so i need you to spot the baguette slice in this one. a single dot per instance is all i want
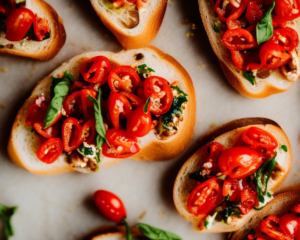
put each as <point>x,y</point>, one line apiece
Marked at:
<point>276,82</point>
<point>227,136</point>
<point>119,21</point>
<point>42,50</point>
<point>23,144</point>
<point>279,206</point>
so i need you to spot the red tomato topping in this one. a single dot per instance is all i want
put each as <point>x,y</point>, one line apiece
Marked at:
<point>296,209</point>
<point>254,12</point>
<point>211,166</point>
<point>205,197</point>
<point>286,37</point>
<point>71,133</point>
<point>270,226</point>
<point>246,61</point>
<point>233,20</point>
<point>37,111</point>
<point>49,132</point>
<point>88,133</point>
<point>256,137</point>
<point>239,162</point>
<point>290,225</point>
<point>248,198</point>
<point>121,145</point>
<point>50,150</point>
<point>41,28</point>
<point>96,70</point>
<point>110,205</point>
<point>232,187</point>
<point>160,93</point>
<point>238,39</point>
<point>134,100</point>
<point>287,10</point>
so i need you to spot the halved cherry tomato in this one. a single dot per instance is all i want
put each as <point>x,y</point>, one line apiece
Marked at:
<point>95,70</point>
<point>273,55</point>
<point>124,78</point>
<point>118,3</point>
<point>37,111</point>
<point>88,133</point>
<point>254,12</point>
<point>234,11</point>
<point>18,23</point>
<point>246,60</point>
<point>49,132</point>
<point>50,150</point>
<point>286,37</point>
<point>134,100</point>
<point>239,162</point>
<point>248,198</point>
<point>78,85</point>
<point>233,20</point>
<point>121,145</point>
<point>118,104</point>
<point>41,28</point>
<point>211,165</point>
<point>110,205</point>
<point>205,197</point>
<point>238,39</point>
<point>139,123</point>
<point>160,93</point>
<point>290,224</point>
<point>270,226</point>
<point>257,137</point>
<point>71,134</point>
<point>232,187</point>
<point>287,10</point>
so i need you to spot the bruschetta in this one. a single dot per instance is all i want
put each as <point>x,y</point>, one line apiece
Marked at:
<point>30,28</point>
<point>101,107</point>
<point>233,174</point>
<point>134,23</point>
<point>256,41</point>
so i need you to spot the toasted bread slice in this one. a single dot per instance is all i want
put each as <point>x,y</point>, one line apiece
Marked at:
<point>42,50</point>
<point>23,144</point>
<point>279,206</point>
<point>266,83</point>
<point>227,135</point>
<point>133,28</point>
<point>114,233</point>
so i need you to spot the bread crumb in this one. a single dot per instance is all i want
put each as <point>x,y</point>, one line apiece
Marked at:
<point>3,69</point>
<point>72,44</point>
<point>193,26</point>
<point>161,213</point>
<point>189,34</point>
<point>87,48</point>
<point>212,125</point>
<point>185,21</point>
<point>143,214</point>
<point>2,106</point>
<point>201,64</point>
<point>78,204</point>
<point>70,5</point>
<point>70,210</point>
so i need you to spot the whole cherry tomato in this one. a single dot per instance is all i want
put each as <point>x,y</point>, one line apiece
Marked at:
<point>49,132</point>
<point>96,70</point>
<point>290,224</point>
<point>50,150</point>
<point>110,205</point>
<point>37,111</point>
<point>71,134</point>
<point>232,187</point>
<point>205,197</point>
<point>238,39</point>
<point>257,137</point>
<point>239,162</point>
<point>270,226</point>
<point>41,28</point>
<point>88,133</point>
<point>139,123</point>
<point>18,23</point>
<point>248,198</point>
<point>286,37</point>
<point>160,93</point>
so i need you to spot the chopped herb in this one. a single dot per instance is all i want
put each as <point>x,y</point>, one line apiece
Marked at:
<point>144,71</point>
<point>47,36</point>
<point>216,28</point>
<point>128,230</point>
<point>269,194</point>
<point>86,151</point>
<point>146,106</point>
<point>264,29</point>
<point>6,214</point>
<point>32,130</point>
<point>249,76</point>
<point>222,177</point>
<point>206,224</point>
<point>284,148</point>
<point>209,220</point>
<point>30,32</point>
<point>197,176</point>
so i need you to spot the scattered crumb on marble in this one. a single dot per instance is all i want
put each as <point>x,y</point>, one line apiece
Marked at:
<point>190,34</point>
<point>143,214</point>
<point>3,69</point>
<point>201,64</point>
<point>78,204</point>
<point>141,173</point>
<point>161,213</point>
<point>72,44</point>
<point>2,106</point>
<point>193,26</point>
<point>185,21</point>
<point>212,125</point>
<point>87,48</point>
<point>70,5</point>
<point>199,122</point>
<point>70,210</point>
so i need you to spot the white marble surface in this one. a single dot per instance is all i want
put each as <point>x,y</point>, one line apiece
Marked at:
<point>60,207</point>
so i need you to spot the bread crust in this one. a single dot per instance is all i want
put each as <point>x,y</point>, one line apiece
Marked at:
<point>148,28</point>
<point>41,50</point>
<point>280,205</point>
<point>264,87</point>
<point>227,135</point>
<point>152,149</point>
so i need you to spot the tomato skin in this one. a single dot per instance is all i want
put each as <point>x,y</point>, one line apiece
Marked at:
<point>290,224</point>
<point>50,150</point>
<point>232,39</point>
<point>296,209</point>
<point>205,197</point>
<point>246,61</point>
<point>239,162</point>
<point>214,150</point>
<point>254,12</point>
<point>41,28</point>
<point>110,205</point>
<point>135,101</point>
<point>232,187</point>
<point>18,23</point>
<point>160,93</point>
<point>49,132</point>
<point>37,111</point>
<point>88,133</point>
<point>257,137</point>
<point>248,198</point>
<point>139,123</point>
<point>71,134</point>
<point>270,226</point>
<point>289,34</point>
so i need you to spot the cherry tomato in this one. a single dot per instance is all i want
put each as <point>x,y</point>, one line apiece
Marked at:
<point>118,104</point>
<point>256,137</point>
<point>139,123</point>
<point>96,70</point>
<point>71,134</point>
<point>248,198</point>
<point>49,132</point>
<point>121,145</point>
<point>238,39</point>
<point>287,9</point>
<point>50,150</point>
<point>6,6</point>
<point>233,20</point>
<point>232,187</point>
<point>41,28</point>
<point>77,86</point>
<point>124,78</point>
<point>160,93</point>
<point>89,131</point>
<point>205,197</point>
<point>110,205</point>
<point>270,226</point>
<point>286,37</point>
<point>254,12</point>
<point>37,111</point>
<point>246,60</point>
<point>296,209</point>
<point>118,3</point>
<point>134,100</point>
<point>290,224</point>
<point>229,10</point>
<point>18,23</point>
<point>239,162</point>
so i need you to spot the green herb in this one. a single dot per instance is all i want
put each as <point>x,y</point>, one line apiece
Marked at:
<point>269,194</point>
<point>128,231</point>
<point>197,176</point>
<point>6,214</point>
<point>284,148</point>
<point>146,106</point>
<point>144,71</point>
<point>209,220</point>
<point>216,29</point>
<point>249,76</point>
<point>47,36</point>
<point>252,233</point>
<point>58,90</point>
<point>264,29</point>
<point>32,130</point>
<point>30,32</point>
<point>86,151</point>
<point>222,177</point>
<point>258,208</point>
<point>156,233</point>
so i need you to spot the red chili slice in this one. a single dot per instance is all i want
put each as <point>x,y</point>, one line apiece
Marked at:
<point>134,100</point>
<point>71,134</point>
<point>50,150</point>
<point>246,60</point>
<point>50,132</point>
<point>37,111</point>
<point>233,21</point>
<point>270,226</point>
<point>257,137</point>
<point>286,37</point>
<point>248,198</point>
<point>287,10</point>
<point>238,39</point>
<point>254,12</point>
<point>41,28</point>
<point>89,131</point>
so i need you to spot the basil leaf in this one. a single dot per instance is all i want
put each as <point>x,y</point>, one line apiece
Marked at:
<point>270,166</point>
<point>249,76</point>
<point>144,71</point>
<point>146,106</point>
<point>58,90</point>
<point>156,233</point>
<point>216,29</point>
<point>86,151</point>
<point>128,231</point>
<point>6,214</point>
<point>284,148</point>
<point>264,29</point>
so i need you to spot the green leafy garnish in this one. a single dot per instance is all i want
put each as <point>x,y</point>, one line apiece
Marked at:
<point>284,148</point>
<point>58,91</point>
<point>216,28</point>
<point>146,106</point>
<point>30,32</point>
<point>86,151</point>
<point>249,76</point>
<point>128,231</point>
<point>47,36</point>
<point>156,233</point>
<point>209,220</point>
<point>222,177</point>
<point>6,214</point>
<point>264,29</point>
<point>197,176</point>
<point>144,71</point>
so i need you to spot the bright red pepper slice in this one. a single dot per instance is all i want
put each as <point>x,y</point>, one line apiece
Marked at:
<point>88,133</point>
<point>71,134</point>
<point>248,198</point>
<point>96,70</point>
<point>117,105</point>
<point>296,209</point>
<point>270,226</point>
<point>290,225</point>
<point>246,61</point>
<point>232,187</point>
<point>238,39</point>
<point>121,145</point>
<point>123,78</point>
<point>254,12</point>
<point>273,55</point>
<point>37,111</point>
<point>50,150</point>
<point>160,93</point>
<point>234,11</point>
<point>257,137</point>
<point>205,197</point>
<point>49,132</point>
<point>41,28</point>
<point>286,37</point>
<point>233,21</point>
<point>287,10</point>
<point>77,86</point>
<point>134,100</point>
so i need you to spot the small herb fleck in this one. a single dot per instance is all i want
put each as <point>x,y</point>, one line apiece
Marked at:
<point>249,76</point>
<point>216,29</point>
<point>284,148</point>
